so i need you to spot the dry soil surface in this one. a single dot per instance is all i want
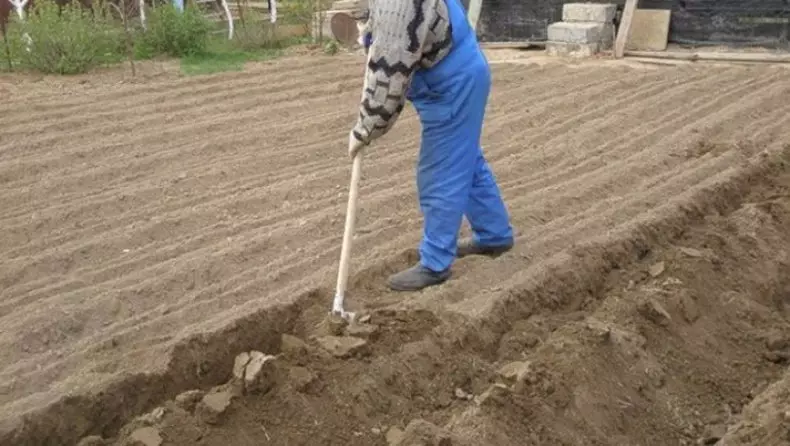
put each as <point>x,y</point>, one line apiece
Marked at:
<point>154,228</point>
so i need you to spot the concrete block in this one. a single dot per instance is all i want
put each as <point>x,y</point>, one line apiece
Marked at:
<point>575,32</point>
<point>589,12</point>
<point>607,37</point>
<point>565,49</point>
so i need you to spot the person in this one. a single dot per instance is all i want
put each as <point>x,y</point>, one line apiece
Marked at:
<point>426,51</point>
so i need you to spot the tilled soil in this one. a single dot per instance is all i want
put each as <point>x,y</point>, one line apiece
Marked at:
<point>154,230</point>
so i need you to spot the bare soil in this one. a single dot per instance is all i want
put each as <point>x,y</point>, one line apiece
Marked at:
<point>154,228</point>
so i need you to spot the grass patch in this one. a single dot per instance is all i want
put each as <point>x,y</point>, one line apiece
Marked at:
<point>70,39</point>
<point>249,45</point>
<point>216,62</point>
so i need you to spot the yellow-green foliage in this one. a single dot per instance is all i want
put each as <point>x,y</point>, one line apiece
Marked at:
<point>63,40</point>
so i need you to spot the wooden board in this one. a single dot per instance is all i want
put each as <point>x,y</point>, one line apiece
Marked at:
<point>624,31</point>
<point>649,30</point>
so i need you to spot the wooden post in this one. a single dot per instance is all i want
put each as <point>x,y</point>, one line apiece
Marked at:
<point>624,31</point>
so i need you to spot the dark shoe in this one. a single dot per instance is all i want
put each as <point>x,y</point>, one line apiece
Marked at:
<point>468,248</point>
<point>416,278</point>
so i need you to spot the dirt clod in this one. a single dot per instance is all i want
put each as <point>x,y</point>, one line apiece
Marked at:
<point>394,436</point>
<point>93,440</point>
<point>343,346</point>
<point>688,307</point>
<point>654,311</point>
<point>514,372</point>
<point>239,365</point>
<point>189,399</point>
<point>366,331</point>
<point>713,434</point>
<point>656,269</point>
<point>333,325</point>
<point>153,417</point>
<point>691,252</point>
<point>144,436</point>
<point>423,433</point>
<point>260,374</point>
<point>777,341</point>
<point>213,406</point>
<point>301,378</point>
<point>294,349</point>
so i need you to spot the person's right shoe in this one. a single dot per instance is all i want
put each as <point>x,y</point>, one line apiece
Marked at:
<point>469,248</point>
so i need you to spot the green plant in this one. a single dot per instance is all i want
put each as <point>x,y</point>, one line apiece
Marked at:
<point>66,39</point>
<point>174,33</point>
<point>331,47</point>
<point>304,13</point>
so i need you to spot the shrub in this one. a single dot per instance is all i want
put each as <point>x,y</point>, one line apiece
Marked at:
<point>63,39</point>
<point>174,33</point>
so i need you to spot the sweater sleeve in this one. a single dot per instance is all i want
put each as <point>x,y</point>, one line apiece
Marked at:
<point>400,33</point>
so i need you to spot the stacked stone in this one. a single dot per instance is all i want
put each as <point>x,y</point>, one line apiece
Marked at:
<point>585,29</point>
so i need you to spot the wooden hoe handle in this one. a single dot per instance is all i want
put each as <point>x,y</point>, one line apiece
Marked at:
<point>348,235</point>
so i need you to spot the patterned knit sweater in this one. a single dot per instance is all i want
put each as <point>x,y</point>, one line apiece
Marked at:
<point>407,35</point>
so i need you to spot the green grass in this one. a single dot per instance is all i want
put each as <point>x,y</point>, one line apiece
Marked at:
<point>216,62</point>
<point>223,55</point>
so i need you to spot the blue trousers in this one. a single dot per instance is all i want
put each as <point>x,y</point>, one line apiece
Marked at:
<point>453,177</point>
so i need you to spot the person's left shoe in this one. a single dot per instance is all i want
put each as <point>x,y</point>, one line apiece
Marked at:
<point>416,278</point>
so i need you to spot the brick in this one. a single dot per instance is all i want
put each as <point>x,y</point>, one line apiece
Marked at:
<point>574,32</point>
<point>589,12</point>
<point>563,49</point>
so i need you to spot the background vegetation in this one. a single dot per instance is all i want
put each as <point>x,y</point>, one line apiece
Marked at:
<point>72,38</point>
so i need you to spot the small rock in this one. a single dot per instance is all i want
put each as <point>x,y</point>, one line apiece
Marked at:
<point>653,311</point>
<point>514,372</point>
<point>394,436</point>
<point>260,375</point>
<point>495,395</point>
<point>189,399</point>
<point>242,359</point>
<point>691,252</point>
<point>461,394</point>
<point>657,269</point>
<point>301,378</point>
<point>93,440</point>
<point>153,417</point>
<point>145,436</point>
<point>364,319</point>
<point>365,331</point>
<point>671,281</point>
<point>343,346</point>
<point>213,406</point>
<point>375,431</point>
